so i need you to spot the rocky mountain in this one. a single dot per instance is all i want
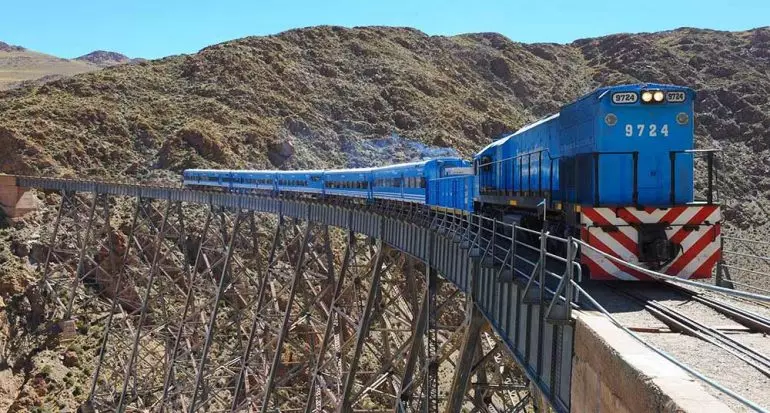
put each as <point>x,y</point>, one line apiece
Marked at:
<point>5,47</point>
<point>21,67</point>
<point>331,96</point>
<point>103,58</point>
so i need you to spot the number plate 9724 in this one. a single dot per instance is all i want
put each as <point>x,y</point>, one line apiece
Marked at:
<point>646,129</point>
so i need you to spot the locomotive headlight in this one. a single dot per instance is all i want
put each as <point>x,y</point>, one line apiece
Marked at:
<point>646,96</point>
<point>658,96</point>
<point>682,118</point>
<point>611,119</point>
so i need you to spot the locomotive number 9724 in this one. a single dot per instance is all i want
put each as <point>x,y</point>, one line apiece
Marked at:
<point>651,130</point>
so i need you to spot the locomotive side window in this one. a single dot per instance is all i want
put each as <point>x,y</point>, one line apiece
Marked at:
<point>486,163</point>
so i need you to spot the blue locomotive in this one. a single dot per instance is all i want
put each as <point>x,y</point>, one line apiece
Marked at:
<point>617,146</point>
<point>614,167</point>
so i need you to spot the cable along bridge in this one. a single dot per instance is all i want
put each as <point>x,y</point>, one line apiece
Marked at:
<point>212,301</point>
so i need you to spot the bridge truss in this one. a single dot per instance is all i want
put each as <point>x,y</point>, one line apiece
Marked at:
<point>223,302</point>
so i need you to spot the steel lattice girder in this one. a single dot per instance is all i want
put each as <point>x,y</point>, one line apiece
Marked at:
<point>352,334</point>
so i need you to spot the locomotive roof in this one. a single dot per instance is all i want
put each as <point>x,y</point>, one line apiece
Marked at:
<point>520,130</point>
<point>631,87</point>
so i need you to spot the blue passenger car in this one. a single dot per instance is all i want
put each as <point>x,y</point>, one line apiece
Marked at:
<point>210,178</point>
<point>310,182</point>
<point>403,182</point>
<point>245,181</point>
<point>416,182</point>
<point>348,182</point>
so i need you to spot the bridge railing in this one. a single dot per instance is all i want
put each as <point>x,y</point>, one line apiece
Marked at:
<point>524,254</point>
<point>544,263</point>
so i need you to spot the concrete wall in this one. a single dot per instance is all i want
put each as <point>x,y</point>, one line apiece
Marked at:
<point>14,200</point>
<point>613,373</point>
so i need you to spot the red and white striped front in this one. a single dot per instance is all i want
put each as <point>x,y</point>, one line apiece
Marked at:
<point>614,232</point>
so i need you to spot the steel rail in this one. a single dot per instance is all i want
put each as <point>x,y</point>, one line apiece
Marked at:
<point>661,276</point>
<point>751,241</point>
<point>741,399</point>
<point>697,329</point>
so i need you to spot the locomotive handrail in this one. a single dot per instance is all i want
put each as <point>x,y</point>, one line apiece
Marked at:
<point>712,176</point>
<point>528,155</point>
<point>711,172</point>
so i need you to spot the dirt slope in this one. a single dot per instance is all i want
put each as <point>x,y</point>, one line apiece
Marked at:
<point>21,67</point>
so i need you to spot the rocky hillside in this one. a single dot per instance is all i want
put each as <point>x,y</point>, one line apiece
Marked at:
<point>330,96</point>
<point>5,47</point>
<point>20,67</point>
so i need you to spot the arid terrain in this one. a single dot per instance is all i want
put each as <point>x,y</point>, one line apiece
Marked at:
<point>330,97</point>
<point>20,67</point>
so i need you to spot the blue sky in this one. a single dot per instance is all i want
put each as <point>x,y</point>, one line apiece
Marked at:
<point>156,28</point>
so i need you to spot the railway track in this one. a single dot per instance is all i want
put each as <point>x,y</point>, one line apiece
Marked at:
<point>685,324</point>
<point>756,322</point>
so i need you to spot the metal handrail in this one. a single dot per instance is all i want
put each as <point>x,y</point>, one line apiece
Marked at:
<point>742,254</point>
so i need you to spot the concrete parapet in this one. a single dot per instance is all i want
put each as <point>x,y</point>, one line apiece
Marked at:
<point>613,373</point>
<point>14,200</point>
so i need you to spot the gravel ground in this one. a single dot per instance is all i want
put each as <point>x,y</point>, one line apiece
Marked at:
<point>718,365</point>
<point>704,357</point>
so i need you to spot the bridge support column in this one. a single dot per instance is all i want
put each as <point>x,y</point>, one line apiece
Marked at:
<point>468,351</point>
<point>16,201</point>
<point>286,318</point>
<point>363,330</point>
<point>328,332</point>
<point>419,324</point>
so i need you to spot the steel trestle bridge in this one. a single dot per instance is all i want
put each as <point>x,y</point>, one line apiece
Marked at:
<point>213,301</point>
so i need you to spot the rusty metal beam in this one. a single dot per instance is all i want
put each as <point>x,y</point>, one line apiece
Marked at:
<point>286,317</point>
<point>143,313</point>
<point>363,329</point>
<point>223,282</point>
<point>419,324</point>
<point>350,245</point>
<point>475,322</point>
